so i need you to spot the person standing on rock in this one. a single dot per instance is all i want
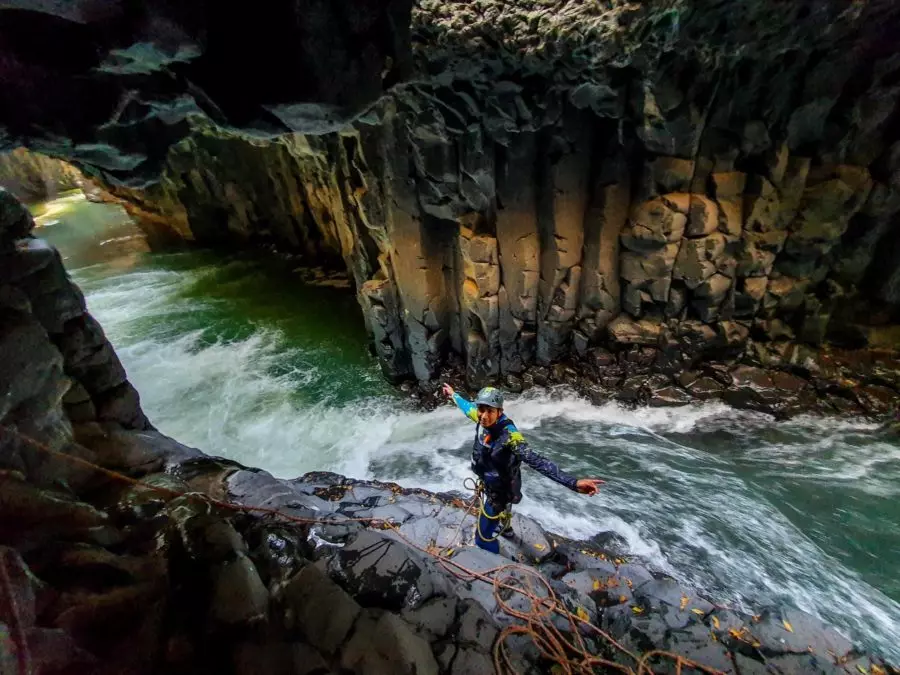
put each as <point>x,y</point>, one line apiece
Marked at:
<point>497,454</point>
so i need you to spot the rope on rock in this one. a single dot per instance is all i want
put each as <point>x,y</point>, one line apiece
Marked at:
<point>570,655</point>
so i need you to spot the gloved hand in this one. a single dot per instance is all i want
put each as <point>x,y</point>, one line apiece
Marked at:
<point>588,486</point>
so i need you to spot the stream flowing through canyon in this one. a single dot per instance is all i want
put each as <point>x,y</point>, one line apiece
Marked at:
<point>240,357</point>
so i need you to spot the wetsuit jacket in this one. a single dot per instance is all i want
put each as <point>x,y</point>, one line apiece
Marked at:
<point>497,453</point>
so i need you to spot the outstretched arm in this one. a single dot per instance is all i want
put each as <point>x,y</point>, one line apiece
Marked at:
<point>549,468</point>
<point>468,408</point>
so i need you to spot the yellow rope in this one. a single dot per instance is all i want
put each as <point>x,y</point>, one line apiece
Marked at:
<point>504,516</point>
<point>571,654</point>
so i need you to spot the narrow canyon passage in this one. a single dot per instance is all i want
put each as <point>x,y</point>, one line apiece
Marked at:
<point>239,357</point>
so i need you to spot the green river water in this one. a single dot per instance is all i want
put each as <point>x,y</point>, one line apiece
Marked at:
<point>238,357</point>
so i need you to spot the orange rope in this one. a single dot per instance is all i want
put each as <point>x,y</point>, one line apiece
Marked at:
<point>572,655</point>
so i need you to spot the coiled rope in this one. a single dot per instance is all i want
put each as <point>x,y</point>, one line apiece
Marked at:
<point>570,655</point>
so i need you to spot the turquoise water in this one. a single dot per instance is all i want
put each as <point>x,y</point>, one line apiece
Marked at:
<point>239,357</point>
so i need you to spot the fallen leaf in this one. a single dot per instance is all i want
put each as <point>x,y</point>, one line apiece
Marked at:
<point>596,584</point>
<point>622,598</point>
<point>878,670</point>
<point>715,621</point>
<point>540,547</point>
<point>862,670</point>
<point>698,612</point>
<point>684,601</point>
<point>788,627</point>
<point>715,639</point>
<point>583,615</point>
<point>637,610</point>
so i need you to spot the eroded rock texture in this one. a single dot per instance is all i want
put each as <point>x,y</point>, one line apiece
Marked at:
<point>101,574</point>
<point>109,85</point>
<point>686,181</point>
<point>669,183</point>
<point>33,177</point>
<point>58,367</point>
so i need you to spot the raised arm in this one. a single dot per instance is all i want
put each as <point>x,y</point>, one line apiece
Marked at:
<point>516,442</point>
<point>468,408</point>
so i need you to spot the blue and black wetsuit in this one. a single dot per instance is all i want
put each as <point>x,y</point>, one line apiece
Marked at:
<point>497,454</point>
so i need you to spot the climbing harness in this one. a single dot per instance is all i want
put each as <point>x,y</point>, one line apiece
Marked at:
<point>503,518</point>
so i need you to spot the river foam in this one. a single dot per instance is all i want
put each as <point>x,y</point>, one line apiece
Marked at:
<point>750,509</point>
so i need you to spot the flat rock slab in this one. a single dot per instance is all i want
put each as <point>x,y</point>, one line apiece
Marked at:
<point>454,600</point>
<point>529,542</point>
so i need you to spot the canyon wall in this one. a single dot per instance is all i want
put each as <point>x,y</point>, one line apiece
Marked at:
<point>544,193</point>
<point>616,188</point>
<point>124,552</point>
<point>62,381</point>
<point>34,177</point>
<point>110,85</point>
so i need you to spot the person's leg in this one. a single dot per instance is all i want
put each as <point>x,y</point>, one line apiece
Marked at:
<point>486,528</point>
<point>506,523</point>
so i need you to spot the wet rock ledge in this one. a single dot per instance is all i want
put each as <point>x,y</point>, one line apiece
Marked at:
<point>100,573</point>
<point>135,579</point>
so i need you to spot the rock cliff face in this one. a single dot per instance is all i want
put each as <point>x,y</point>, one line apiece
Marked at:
<point>122,551</point>
<point>629,189</point>
<point>109,85</point>
<point>33,177</point>
<point>666,184</point>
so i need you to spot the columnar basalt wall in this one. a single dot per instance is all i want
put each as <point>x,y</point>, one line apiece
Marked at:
<point>640,189</point>
<point>122,551</point>
<point>670,218</point>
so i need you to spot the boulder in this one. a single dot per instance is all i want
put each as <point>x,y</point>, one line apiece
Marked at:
<point>625,330</point>
<point>21,587</point>
<point>434,618</point>
<point>28,511</point>
<point>529,541</point>
<point>669,396</point>
<point>671,174</point>
<point>55,651</point>
<point>28,257</point>
<point>122,450</point>
<point>698,259</point>
<point>378,570</point>
<point>709,296</point>
<point>277,658</point>
<point>652,225</point>
<point>238,595</point>
<point>703,219</point>
<point>15,221</point>
<point>31,368</point>
<point>319,608</point>
<point>383,644</point>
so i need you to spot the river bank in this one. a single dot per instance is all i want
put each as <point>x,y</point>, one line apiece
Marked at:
<point>201,550</point>
<point>246,359</point>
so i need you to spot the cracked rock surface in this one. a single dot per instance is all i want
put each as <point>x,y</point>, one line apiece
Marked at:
<point>556,182</point>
